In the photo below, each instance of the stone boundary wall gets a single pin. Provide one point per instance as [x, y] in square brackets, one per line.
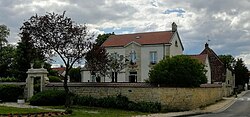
[170, 98]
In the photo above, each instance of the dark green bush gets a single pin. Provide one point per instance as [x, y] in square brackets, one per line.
[122, 102]
[178, 71]
[85, 101]
[48, 98]
[118, 102]
[8, 79]
[10, 93]
[148, 107]
[68, 111]
[54, 79]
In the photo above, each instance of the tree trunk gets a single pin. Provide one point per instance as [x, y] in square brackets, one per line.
[93, 76]
[115, 76]
[112, 77]
[66, 88]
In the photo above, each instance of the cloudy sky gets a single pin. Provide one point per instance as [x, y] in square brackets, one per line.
[226, 23]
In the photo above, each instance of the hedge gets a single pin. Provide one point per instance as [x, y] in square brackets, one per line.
[10, 93]
[118, 102]
[54, 79]
[55, 98]
[48, 98]
[8, 79]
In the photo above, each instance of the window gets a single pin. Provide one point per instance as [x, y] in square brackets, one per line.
[132, 76]
[153, 57]
[176, 44]
[133, 57]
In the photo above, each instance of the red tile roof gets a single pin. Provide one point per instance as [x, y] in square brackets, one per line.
[162, 37]
[59, 70]
[200, 57]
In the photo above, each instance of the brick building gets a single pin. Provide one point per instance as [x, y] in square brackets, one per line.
[218, 72]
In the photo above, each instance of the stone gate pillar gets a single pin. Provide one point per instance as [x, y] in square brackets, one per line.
[34, 73]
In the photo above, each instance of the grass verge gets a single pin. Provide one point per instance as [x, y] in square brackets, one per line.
[82, 111]
[13, 110]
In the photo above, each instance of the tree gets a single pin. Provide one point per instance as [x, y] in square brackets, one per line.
[241, 73]
[103, 37]
[4, 33]
[7, 54]
[75, 74]
[228, 61]
[56, 34]
[178, 71]
[96, 61]
[116, 64]
[26, 53]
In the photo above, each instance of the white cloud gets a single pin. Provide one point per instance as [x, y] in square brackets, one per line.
[246, 58]
[224, 22]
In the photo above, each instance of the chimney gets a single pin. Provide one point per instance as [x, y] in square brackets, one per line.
[206, 45]
[174, 27]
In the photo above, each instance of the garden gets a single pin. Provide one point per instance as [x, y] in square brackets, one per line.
[51, 102]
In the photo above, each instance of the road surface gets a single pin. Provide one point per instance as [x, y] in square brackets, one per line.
[241, 108]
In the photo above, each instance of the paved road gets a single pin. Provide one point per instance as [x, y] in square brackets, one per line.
[241, 108]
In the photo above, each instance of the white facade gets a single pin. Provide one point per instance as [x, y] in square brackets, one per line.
[208, 69]
[146, 56]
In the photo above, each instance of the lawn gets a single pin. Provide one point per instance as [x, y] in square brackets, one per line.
[78, 111]
[82, 111]
[13, 110]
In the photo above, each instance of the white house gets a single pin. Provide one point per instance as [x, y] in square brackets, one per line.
[203, 58]
[143, 50]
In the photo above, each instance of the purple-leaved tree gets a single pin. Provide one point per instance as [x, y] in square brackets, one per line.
[55, 34]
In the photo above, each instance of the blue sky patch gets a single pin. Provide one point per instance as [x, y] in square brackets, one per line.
[119, 30]
[178, 11]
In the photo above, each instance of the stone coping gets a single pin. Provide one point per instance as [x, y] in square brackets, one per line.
[124, 84]
[91, 84]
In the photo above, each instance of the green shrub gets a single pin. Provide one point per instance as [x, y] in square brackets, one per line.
[148, 107]
[10, 93]
[48, 98]
[178, 71]
[75, 75]
[54, 79]
[85, 101]
[118, 102]
[8, 79]
[122, 102]
[68, 111]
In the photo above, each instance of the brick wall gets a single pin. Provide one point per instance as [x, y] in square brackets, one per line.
[170, 98]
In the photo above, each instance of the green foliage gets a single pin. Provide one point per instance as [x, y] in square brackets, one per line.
[118, 102]
[228, 61]
[152, 107]
[13, 110]
[26, 53]
[75, 75]
[241, 73]
[54, 79]
[178, 71]
[85, 100]
[8, 79]
[4, 33]
[68, 111]
[48, 98]
[10, 93]
[238, 67]
[101, 38]
[7, 54]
